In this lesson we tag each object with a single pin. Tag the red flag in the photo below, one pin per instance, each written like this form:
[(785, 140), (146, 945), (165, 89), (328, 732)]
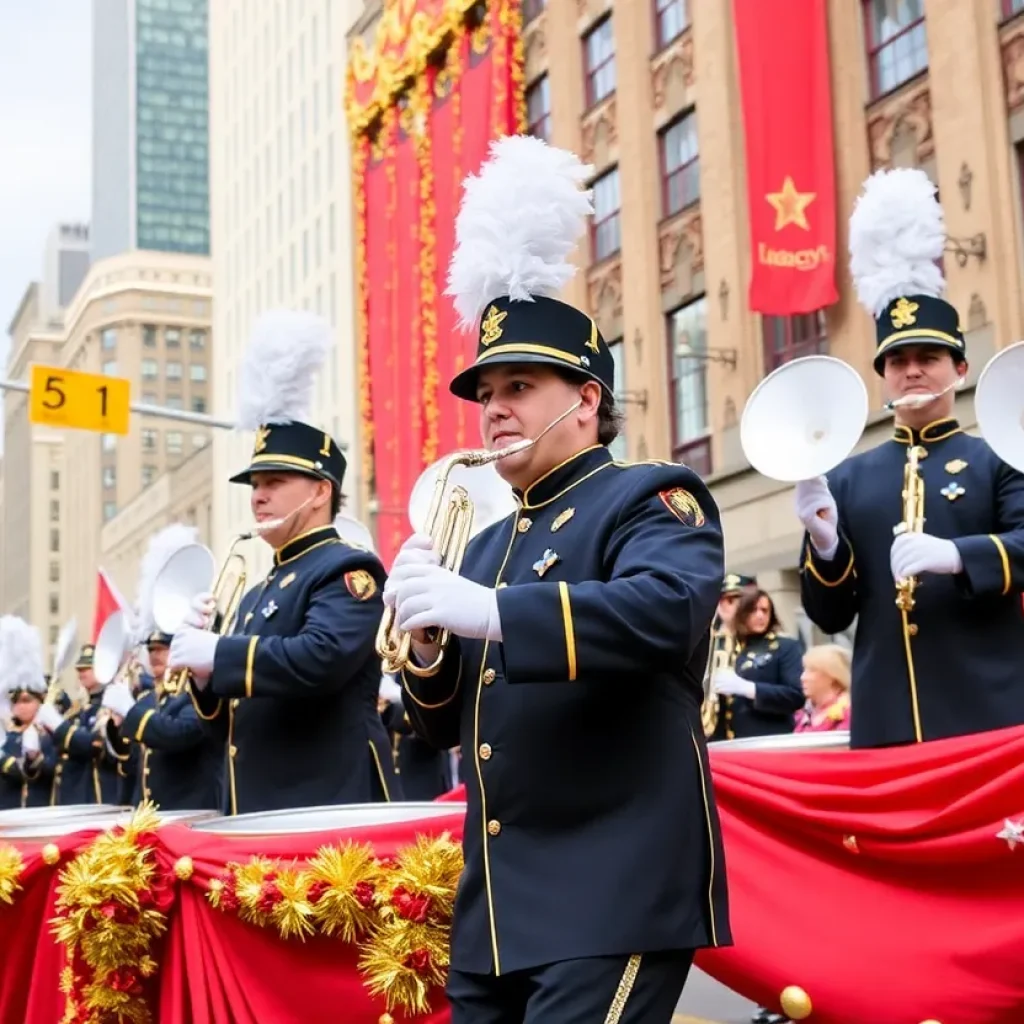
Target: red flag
[(787, 114), (108, 601)]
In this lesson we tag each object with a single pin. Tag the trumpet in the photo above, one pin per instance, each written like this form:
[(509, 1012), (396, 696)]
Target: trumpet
[(722, 655), (913, 520), (450, 527), (186, 574)]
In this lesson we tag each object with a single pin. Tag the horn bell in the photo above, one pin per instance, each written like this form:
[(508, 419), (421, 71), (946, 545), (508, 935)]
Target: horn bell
[(999, 405), (491, 497), (111, 646), (804, 418), (186, 574)]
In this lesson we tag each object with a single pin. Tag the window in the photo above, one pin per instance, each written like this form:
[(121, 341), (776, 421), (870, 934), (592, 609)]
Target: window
[(173, 442), (54, 511), (149, 369), (538, 109), (198, 372), (54, 480), (790, 337), (680, 165), (149, 397), (672, 19), (149, 335), (172, 337), (110, 367), (109, 476), (599, 61), (605, 240), (148, 475), (174, 402), (148, 439), (197, 341), (55, 604), (109, 442), (54, 634), (687, 339), (108, 339), (618, 351), (55, 572), (55, 542), (198, 441), (172, 371), (897, 42), (199, 404), (109, 510)]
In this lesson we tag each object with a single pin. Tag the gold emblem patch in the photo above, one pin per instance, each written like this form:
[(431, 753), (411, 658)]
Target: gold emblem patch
[(261, 440), (684, 506), (361, 585), (903, 313), (490, 326), (955, 466), (562, 518), (287, 581)]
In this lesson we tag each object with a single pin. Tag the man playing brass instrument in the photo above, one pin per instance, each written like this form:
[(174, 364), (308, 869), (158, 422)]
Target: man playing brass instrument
[(579, 637), (292, 691), (948, 662)]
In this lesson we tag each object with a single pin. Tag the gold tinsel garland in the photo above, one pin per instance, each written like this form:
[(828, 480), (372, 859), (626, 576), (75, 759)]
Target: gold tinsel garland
[(112, 904), (397, 910), (11, 867)]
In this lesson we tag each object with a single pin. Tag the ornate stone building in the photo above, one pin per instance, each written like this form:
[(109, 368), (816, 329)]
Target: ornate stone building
[(649, 94)]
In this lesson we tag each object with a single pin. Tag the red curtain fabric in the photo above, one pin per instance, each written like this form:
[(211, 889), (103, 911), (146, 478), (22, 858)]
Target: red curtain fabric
[(786, 93), (426, 141), (887, 885)]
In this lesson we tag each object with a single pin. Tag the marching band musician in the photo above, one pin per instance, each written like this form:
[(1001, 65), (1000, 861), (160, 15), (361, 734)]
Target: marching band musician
[(950, 664), (292, 691), (85, 773), (579, 637), (26, 751), (425, 771)]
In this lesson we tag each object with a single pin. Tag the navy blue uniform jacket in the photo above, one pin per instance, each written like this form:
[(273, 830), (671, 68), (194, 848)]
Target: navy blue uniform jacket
[(954, 666), (293, 694), (591, 827), (84, 773), (23, 784)]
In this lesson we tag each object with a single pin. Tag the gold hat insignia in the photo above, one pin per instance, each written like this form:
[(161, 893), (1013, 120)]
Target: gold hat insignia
[(491, 326), (261, 440), (903, 313)]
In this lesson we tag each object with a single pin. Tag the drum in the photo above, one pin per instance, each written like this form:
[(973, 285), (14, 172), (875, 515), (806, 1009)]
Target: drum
[(57, 828), (327, 819), (19, 817), (837, 739)]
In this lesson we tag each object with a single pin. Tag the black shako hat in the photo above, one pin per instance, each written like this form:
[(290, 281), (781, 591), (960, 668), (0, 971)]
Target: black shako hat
[(86, 656), (737, 582), (543, 330), (294, 448), (917, 320), (158, 639)]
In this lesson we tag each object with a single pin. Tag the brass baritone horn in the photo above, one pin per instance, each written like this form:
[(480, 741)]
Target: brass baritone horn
[(913, 520), (450, 533)]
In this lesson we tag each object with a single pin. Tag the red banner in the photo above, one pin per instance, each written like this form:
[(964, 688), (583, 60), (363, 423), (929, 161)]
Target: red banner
[(786, 92), (424, 141)]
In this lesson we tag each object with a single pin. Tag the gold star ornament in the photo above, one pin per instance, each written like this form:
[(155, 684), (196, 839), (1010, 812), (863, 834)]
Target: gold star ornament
[(790, 205)]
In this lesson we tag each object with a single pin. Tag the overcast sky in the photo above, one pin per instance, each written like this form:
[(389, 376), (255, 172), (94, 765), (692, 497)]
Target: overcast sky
[(45, 114)]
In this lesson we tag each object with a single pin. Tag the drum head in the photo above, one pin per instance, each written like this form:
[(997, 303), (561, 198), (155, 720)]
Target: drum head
[(837, 739)]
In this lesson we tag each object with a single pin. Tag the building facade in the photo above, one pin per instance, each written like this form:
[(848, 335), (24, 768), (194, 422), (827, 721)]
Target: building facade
[(150, 127), (280, 202), (937, 84), (65, 264), (144, 316)]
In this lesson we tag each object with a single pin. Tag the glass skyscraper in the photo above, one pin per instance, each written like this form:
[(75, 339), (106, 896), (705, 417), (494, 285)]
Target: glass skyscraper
[(150, 127)]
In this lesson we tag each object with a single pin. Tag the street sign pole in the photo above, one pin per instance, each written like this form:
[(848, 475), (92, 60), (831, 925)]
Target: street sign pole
[(142, 409)]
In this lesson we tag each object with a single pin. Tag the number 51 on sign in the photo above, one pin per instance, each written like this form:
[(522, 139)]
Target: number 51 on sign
[(81, 401)]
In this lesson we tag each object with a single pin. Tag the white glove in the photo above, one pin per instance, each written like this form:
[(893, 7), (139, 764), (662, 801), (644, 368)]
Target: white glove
[(417, 550), (48, 717), (193, 649), (118, 697), (427, 595), (729, 684), (914, 553), (816, 509), (30, 742), (201, 611), (389, 690)]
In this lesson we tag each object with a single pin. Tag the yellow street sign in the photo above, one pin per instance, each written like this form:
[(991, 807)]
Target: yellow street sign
[(81, 401)]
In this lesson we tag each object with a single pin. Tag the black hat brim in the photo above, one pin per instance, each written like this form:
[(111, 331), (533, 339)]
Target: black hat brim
[(918, 340), (272, 466), (464, 385)]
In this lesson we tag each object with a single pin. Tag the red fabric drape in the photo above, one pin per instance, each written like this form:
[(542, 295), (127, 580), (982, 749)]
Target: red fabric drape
[(786, 92), (438, 132)]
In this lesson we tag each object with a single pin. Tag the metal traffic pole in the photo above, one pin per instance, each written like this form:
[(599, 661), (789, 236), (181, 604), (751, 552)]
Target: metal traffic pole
[(182, 415)]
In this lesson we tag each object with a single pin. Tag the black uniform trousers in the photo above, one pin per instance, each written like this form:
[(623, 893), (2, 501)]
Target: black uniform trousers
[(640, 989)]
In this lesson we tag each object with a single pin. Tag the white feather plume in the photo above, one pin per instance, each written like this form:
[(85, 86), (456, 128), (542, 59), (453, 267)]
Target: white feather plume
[(21, 656), (897, 235), (286, 350), (161, 546), (520, 219)]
